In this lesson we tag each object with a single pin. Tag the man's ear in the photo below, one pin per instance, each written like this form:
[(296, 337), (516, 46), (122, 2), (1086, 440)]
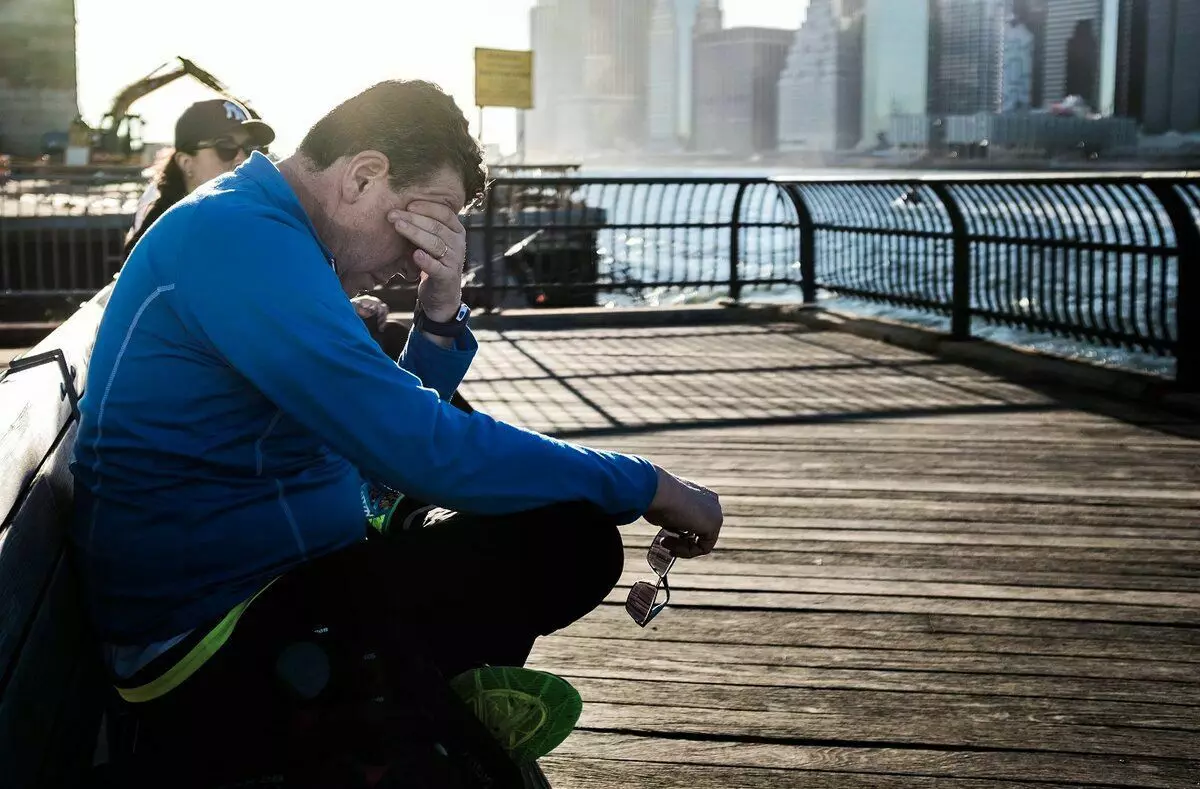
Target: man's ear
[(365, 172)]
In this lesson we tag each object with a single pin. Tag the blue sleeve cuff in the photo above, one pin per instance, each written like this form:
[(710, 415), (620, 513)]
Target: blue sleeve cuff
[(440, 369), (644, 488)]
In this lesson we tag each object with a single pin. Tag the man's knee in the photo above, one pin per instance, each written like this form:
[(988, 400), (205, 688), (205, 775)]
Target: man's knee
[(594, 555)]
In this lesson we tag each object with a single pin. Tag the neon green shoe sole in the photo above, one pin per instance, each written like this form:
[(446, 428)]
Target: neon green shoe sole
[(529, 712)]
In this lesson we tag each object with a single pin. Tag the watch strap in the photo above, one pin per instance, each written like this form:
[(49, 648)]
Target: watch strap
[(455, 327)]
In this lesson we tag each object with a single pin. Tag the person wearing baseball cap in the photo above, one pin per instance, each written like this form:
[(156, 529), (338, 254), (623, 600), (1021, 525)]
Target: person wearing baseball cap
[(212, 137)]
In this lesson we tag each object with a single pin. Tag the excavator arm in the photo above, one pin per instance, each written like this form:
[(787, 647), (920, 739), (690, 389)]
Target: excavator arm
[(110, 130)]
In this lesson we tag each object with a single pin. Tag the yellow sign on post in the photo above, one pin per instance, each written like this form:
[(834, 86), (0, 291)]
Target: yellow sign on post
[(504, 78)]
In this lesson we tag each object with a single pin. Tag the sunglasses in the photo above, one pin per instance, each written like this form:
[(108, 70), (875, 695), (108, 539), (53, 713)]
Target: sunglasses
[(642, 603), (227, 150)]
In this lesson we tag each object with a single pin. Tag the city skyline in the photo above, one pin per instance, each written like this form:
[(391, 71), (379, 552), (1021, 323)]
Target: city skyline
[(288, 79), (616, 77)]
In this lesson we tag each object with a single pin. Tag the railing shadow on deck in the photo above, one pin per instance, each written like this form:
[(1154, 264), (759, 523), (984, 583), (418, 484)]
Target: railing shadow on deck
[(594, 384), (591, 386)]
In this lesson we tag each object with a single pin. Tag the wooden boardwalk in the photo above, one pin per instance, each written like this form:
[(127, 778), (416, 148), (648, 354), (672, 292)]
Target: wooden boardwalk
[(929, 577)]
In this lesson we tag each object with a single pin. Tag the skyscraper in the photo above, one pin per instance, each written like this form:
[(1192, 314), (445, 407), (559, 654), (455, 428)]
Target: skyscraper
[(820, 91), (1159, 62), (591, 64), (685, 19), (1018, 67), (966, 58), (895, 64), (1072, 56), (616, 74), (664, 90), (736, 82), (1032, 14), (37, 73)]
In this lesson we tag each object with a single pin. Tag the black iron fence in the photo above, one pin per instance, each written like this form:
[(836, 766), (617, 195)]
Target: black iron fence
[(1106, 260), (61, 236)]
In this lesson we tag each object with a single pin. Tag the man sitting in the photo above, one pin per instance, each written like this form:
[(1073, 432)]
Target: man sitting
[(238, 409)]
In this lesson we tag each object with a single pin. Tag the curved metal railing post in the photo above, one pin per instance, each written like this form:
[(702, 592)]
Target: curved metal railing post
[(1187, 302), (960, 288), (735, 244), (808, 244)]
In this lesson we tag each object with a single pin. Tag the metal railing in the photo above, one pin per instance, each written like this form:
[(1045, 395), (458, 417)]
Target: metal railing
[(631, 241), (1099, 259), (62, 235), (1109, 260)]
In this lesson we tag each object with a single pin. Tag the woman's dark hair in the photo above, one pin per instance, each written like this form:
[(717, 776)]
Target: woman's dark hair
[(171, 189), (414, 123)]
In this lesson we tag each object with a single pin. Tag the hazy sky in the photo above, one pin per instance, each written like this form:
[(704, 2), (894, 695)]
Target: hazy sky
[(295, 64)]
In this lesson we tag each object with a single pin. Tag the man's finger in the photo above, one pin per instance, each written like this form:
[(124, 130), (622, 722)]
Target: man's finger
[(429, 264), (685, 549), (437, 211), (426, 223), (422, 238)]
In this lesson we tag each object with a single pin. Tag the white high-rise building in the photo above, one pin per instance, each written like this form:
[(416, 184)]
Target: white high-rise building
[(737, 97), (1018, 67), (895, 64), (663, 103), (820, 102), (590, 77)]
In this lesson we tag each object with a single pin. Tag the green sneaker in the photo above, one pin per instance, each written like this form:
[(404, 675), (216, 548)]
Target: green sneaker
[(529, 712)]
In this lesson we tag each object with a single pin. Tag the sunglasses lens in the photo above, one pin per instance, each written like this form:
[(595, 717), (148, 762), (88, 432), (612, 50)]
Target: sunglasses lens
[(660, 559), (640, 603), (227, 152)]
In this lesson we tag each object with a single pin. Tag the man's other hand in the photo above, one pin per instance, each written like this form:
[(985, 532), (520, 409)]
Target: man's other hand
[(687, 508), (370, 308)]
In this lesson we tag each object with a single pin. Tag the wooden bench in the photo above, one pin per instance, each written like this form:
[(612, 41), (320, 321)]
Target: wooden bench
[(54, 730), (51, 693)]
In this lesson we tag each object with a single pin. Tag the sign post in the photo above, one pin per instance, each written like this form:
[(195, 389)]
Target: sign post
[(503, 78)]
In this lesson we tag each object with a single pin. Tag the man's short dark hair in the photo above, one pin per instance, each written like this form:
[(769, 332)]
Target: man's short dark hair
[(414, 123)]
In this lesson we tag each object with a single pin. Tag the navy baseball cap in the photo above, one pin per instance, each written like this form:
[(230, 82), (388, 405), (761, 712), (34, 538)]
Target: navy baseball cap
[(211, 119)]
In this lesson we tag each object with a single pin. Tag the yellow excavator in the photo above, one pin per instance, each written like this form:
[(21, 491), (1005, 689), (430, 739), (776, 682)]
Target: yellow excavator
[(118, 139)]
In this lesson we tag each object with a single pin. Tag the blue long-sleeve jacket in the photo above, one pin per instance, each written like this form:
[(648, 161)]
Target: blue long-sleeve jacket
[(235, 402)]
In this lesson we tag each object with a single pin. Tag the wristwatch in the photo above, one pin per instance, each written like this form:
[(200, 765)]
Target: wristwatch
[(451, 328)]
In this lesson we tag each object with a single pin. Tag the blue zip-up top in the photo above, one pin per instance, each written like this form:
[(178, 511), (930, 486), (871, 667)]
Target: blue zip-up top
[(235, 403)]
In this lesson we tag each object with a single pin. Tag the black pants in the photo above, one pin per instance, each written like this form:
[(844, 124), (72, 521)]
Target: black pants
[(461, 592)]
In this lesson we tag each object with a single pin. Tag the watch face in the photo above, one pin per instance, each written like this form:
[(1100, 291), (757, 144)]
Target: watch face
[(463, 312)]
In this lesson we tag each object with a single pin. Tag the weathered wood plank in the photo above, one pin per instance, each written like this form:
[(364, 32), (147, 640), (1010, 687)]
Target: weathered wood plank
[(695, 575), (1162, 574), (915, 727), (867, 707), (1045, 559), (775, 628), (585, 773), (1094, 612), (890, 655), (771, 564), (866, 762), (665, 662)]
